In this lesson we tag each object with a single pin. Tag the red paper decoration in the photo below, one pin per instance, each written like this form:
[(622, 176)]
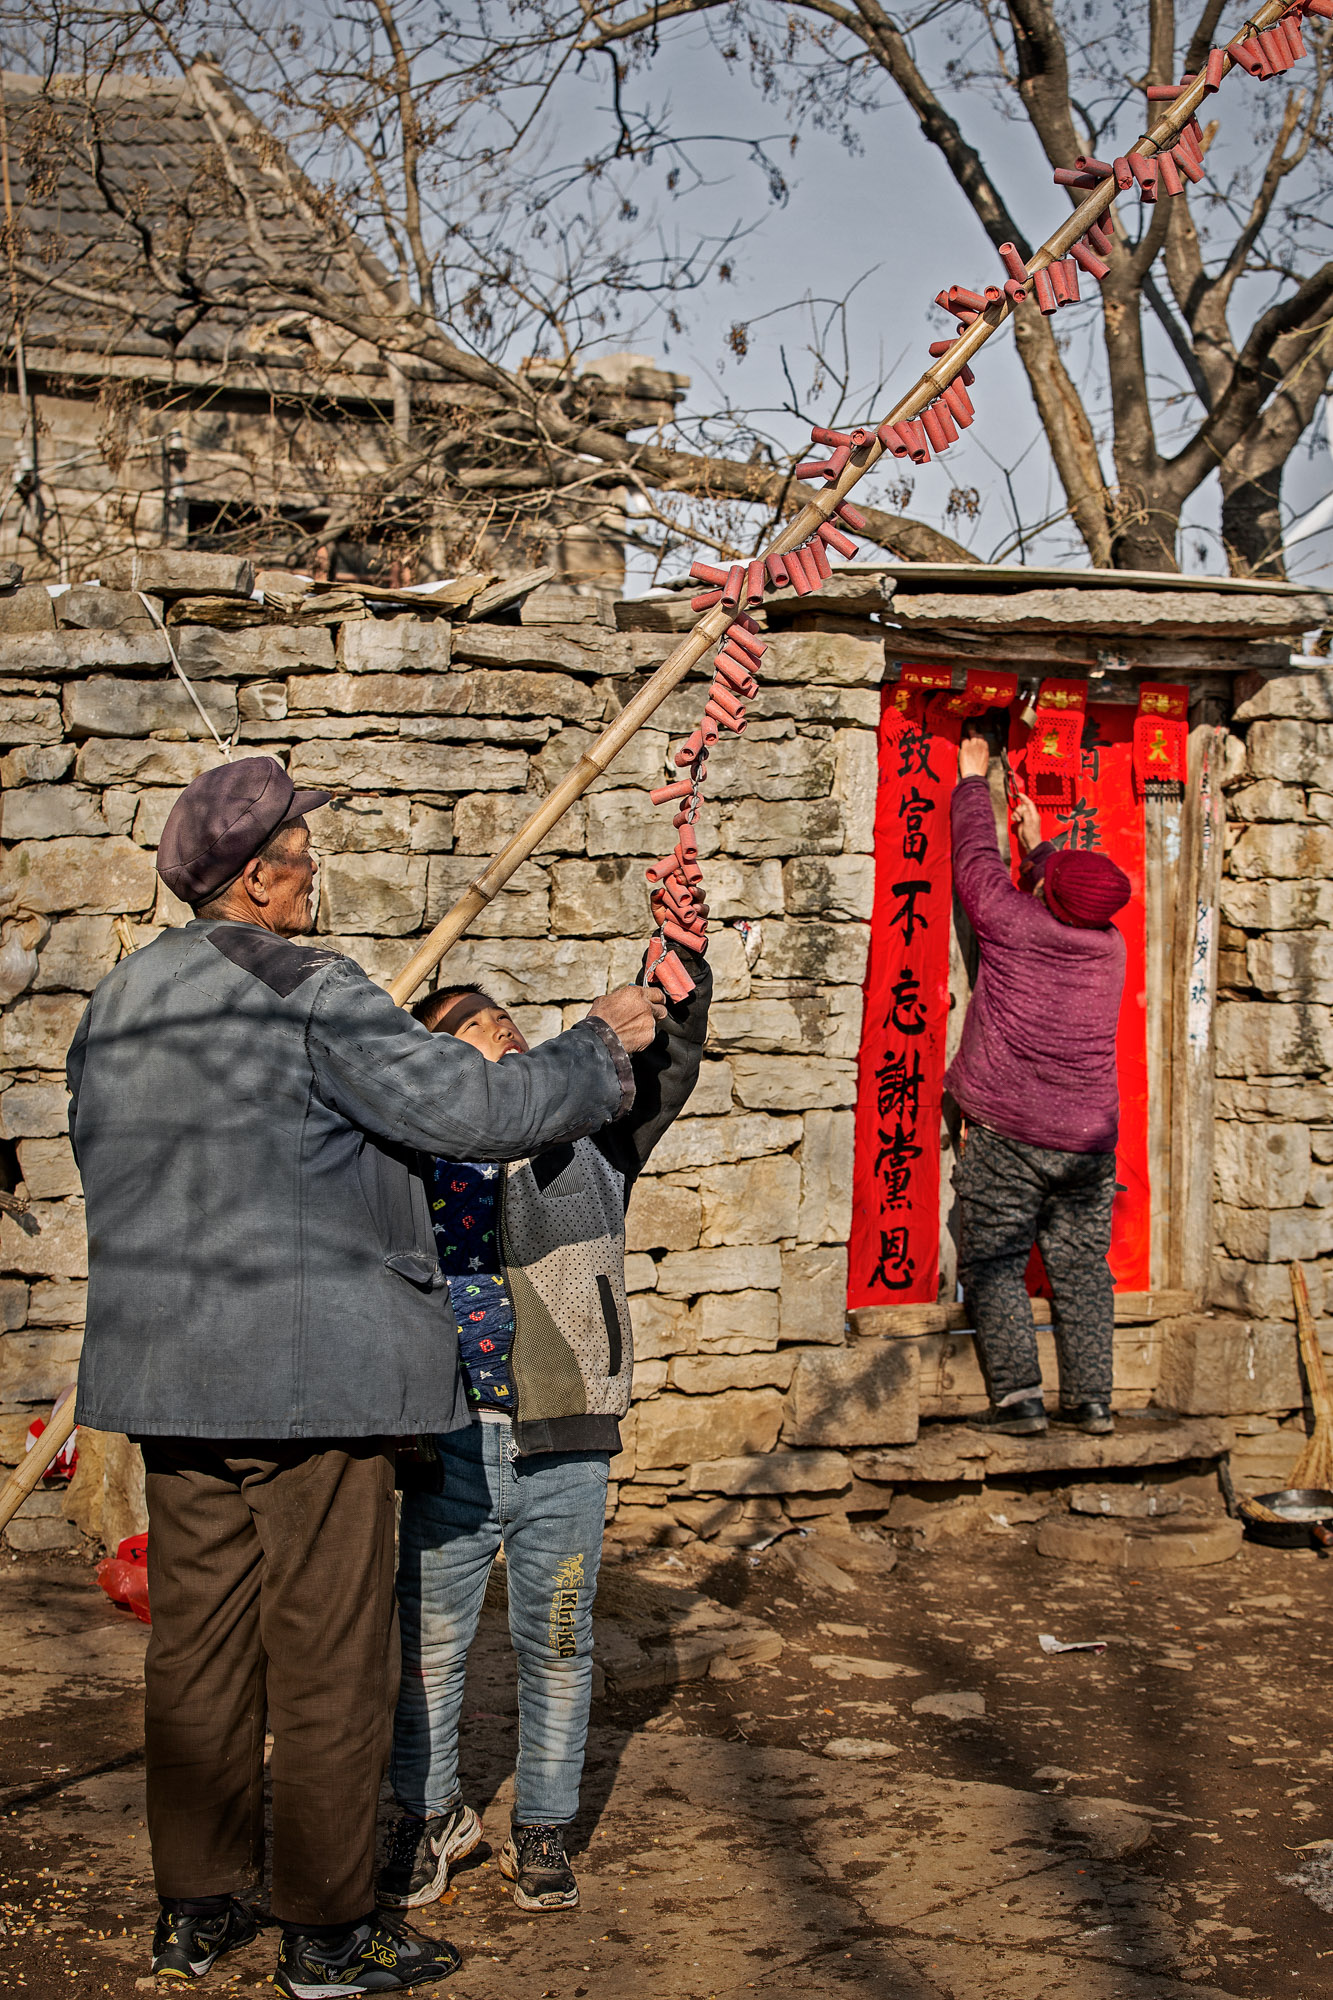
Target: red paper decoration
[(1049, 790), (991, 689), (1057, 735), (1165, 698), (1161, 739), (909, 697), (1062, 695)]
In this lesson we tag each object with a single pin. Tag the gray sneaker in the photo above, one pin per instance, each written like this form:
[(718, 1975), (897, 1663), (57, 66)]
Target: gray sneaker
[(421, 1853), (534, 1860)]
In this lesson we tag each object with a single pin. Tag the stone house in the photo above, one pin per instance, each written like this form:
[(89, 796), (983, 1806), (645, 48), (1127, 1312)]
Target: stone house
[(136, 411), (761, 1401)]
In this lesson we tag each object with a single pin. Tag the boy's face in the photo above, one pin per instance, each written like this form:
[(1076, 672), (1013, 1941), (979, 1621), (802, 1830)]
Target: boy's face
[(487, 1027)]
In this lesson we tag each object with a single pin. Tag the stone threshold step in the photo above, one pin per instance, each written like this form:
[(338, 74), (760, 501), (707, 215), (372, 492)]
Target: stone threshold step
[(909, 1322), (954, 1451)]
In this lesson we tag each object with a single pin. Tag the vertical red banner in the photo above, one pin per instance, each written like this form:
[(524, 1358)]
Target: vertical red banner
[(893, 1255), (1105, 812)]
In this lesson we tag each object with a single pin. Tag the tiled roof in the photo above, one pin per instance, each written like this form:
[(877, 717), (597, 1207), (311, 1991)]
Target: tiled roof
[(143, 194)]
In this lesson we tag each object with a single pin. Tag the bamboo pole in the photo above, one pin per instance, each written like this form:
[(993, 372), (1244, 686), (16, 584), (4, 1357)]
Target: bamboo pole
[(713, 624), (27, 1474)]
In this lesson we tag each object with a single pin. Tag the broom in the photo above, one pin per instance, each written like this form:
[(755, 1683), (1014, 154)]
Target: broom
[(1314, 1467)]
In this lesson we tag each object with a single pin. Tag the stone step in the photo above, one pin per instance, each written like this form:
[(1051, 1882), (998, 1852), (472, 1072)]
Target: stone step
[(954, 1451), (907, 1322)]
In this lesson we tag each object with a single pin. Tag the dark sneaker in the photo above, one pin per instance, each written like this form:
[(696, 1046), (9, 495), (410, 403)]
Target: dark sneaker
[(372, 1959), (188, 1947), (1094, 1418), (1025, 1419), (421, 1853), (534, 1860)]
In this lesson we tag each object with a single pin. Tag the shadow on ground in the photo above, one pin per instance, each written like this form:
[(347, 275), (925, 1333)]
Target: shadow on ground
[(1109, 1826)]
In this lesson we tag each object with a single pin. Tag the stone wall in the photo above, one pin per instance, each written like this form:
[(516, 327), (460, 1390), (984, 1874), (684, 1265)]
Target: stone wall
[(756, 1405), (442, 739), (1274, 1132)]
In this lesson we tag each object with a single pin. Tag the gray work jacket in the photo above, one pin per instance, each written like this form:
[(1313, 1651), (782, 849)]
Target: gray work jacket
[(247, 1115)]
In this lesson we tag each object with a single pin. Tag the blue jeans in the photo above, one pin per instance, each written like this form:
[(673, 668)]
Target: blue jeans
[(547, 1513)]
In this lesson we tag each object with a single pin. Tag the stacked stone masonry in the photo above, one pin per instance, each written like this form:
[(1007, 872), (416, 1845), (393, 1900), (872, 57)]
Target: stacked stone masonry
[(755, 1403), (441, 739), (1274, 1131)]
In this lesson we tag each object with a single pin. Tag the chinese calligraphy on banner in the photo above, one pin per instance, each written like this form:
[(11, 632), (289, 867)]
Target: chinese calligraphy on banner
[(894, 1252)]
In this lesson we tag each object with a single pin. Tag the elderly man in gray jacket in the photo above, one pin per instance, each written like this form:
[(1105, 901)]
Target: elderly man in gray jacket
[(265, 1314)]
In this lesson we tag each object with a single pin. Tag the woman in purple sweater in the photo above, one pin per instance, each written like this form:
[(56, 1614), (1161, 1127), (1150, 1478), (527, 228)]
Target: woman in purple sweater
[(1035, 1079)]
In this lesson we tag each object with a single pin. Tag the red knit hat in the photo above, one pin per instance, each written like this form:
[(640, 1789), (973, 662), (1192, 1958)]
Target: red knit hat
[(1084, 890)]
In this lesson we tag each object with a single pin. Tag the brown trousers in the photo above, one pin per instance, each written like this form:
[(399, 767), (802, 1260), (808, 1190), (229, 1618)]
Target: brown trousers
[(271, 1582)]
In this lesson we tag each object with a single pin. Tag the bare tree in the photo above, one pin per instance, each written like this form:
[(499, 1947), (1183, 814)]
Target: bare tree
[(1247, 294), (381, 192)]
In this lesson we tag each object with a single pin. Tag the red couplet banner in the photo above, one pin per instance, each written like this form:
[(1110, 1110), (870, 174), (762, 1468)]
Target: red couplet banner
[(893, 1255)]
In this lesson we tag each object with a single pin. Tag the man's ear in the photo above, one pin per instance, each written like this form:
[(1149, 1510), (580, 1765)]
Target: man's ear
[(255, 880)]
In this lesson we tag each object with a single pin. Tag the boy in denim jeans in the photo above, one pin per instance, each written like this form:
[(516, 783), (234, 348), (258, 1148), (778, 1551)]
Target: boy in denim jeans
[(534, 1255)]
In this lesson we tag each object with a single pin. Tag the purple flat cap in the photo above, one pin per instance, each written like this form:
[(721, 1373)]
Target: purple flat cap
[(222, 819)]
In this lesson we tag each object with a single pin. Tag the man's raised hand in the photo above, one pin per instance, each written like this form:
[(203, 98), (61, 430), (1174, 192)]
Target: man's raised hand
[(633, 1012), (973, 757)]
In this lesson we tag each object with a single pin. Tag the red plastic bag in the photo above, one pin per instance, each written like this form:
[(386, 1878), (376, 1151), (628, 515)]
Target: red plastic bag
[(124, 1576)]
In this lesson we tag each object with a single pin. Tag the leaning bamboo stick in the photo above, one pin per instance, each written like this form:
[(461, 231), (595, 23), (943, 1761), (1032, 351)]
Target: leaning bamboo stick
[(27, 1474), (713, 624)]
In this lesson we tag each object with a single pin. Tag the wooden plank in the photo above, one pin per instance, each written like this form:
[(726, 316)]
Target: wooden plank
[(1195, 614), (910, 1322), (1161, 826), (1195, 974), (1168, 656), (448, 596), (999, 576), (507, 591)]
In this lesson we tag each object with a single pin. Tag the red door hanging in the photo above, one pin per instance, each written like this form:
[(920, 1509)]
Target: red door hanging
[(893, 1255), (895, 1242)]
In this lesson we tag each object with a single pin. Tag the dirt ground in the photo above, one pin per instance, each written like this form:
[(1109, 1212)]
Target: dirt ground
[(1124, 1824)]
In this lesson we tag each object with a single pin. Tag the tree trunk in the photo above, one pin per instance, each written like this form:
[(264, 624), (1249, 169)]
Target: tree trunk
[(1252, 523), (1251, 472), (1144, 536)]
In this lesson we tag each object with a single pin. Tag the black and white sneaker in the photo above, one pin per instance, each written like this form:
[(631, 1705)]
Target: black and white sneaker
[(373, 1958), (534, 1860), (188, 1947), (421, 1853)]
